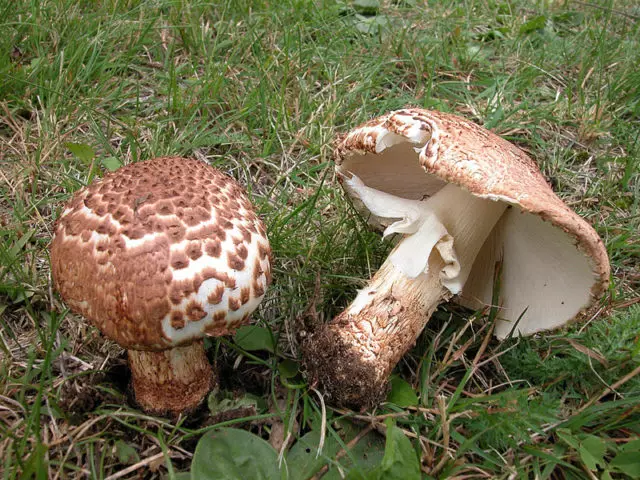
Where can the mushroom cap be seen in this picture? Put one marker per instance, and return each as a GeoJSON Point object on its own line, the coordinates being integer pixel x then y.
{"type": "Point", "coordinates": [160, 253]}
{"type": "Point", "coordinates": [554, 264]}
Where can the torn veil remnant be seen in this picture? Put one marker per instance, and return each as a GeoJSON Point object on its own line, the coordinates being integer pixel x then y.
{"type": "Point", "coordinates": [157, 255]}
{"type": "Point", "coordinates": [462, 199]}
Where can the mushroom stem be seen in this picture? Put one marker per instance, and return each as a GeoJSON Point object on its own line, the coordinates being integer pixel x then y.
{"type": "Point", "coordinates": [353, 356]}
{"type": "Point", "coordinates": [171, 381]}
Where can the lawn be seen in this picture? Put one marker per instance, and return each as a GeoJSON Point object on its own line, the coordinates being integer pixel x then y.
{"type": "Point", "coordinates": [261, 90]}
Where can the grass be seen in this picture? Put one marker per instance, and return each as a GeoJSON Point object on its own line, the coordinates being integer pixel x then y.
{"type": "Point", "coordinates": [261, 90]}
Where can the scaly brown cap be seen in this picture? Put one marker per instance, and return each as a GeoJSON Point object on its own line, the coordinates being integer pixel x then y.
{"type": "Point", "coordinates": [553, 260]}
{"type": "Point", "coordinates": [161, 252]}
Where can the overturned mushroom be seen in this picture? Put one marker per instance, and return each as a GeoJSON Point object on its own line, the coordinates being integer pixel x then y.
{"type": "Point", "coordinates": [463, 200]}
{"type": "Point", "coordinates": [158, 255]}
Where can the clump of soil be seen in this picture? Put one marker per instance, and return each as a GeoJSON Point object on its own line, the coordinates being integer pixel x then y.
{"type": "Point", "coordinates": [340, 373]}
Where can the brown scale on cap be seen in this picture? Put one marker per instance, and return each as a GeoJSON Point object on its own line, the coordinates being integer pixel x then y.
{"type": "Point", "coordinates": [246, 233]}
{"type": "Point", "coordinates": [234, 304]}
{"type": "Point", "coordinates": [213, 248]}
{"type": "Point", "coordinates": [258, 289]}
{"type": "Point", "coordinates": [245, 295]}
{"type": "Point", "coordinates": [235, 261]}
{"type": "Point", "coordinates": [215, 297]}
{"type": "Point", "coordinates": [202, 233]}
{"type": "Point", "coordinates": [179, 260]}
{"type": "Point", "coordinates": [264, 250]}
{"type": "Point", "coordinates": [177, 320]}
{"type": "Point", "coordinates": [242, 252]}
{"type": "Point", "coordinates": [195, 311]}
{"type": "Point", "coordinates": [194, 250]}
{"type": "Point", "coordinates": [237, 240]}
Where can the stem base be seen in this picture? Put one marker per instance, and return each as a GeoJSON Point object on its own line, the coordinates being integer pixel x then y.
{"type": "Point", "coordinates": [172, 381]}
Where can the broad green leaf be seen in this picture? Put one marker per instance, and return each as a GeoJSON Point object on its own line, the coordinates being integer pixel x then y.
{"type": "Point", "coordinates": [536, 23]}
{"type": "Point", "coordinates": [627, 463]}
{"type": "Point", "coordinates": [590, 461]}
{"type": "Point", "coordinates": [569, 18]}
{"type": "Point", "coordinates": [111, 163]}
{"type": "Point", "coordinates": [303, 459]}
{"type": "Point", "coordinates": [631, 447]}
{"type": "Point", "coordinates": [356, 463]}
{"type": "Point", "coordinates": [253, 337]}
{"type": "Point", "coordinates": [400, 460]}
{"type": "Point", "coordinates": [288, 368]}
{"type": "Point", "coordinates": [222, 401]}
{"type": "Point", "coordinates": [371, 25]}
{"type": "Point", "coordinates": [234, 454]}
{"type": "Point", "coordinates": [82, 151]}
{"type": "Point", "coordinates": [366, 7]}
{"type": "Point", "coordinates": [402, 394]}
{"type": "Point", "coordinates": [126, 454]}
{"type": "Point", "coordinates": [592, 451]}
{"type": "Point", "coordinates": [362, 458]}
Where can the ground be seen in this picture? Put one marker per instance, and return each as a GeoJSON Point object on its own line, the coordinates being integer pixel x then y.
{"type": "Point", "coordinates": [262, 90]}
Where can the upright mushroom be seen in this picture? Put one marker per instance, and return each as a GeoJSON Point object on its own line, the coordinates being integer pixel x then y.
{"type": "Point", "coordinates": [463, 199]}
{"type": "Point", "coordinates": [157, 255]}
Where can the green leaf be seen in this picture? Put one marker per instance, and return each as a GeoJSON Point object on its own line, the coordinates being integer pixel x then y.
{"type": "Point", "coordinates": [632, 446]}
{"type": "Point", "coordinates": [402, 394]}
{"type": "Point", "coordinates": [360, 459]}
{"type": "Point", "coordinates": [592, 451]}
{"type": "Point", "coordinates": [234, 454]}
{"type": "Point", "coordinates": [82, 151]}
{"type": "Point", "coordinates": [288, 368]}
{"type": "Point", "coordinates": [366, 7]}
{"type": "Point", "coordinates": [371, 25]}
{"type": "Point", "coordinates": [302, 458]}
{"type": "Point", "coordinates": [536, 23]}
{"type": "Point", "coordinates": [111, 163]}
{"type": "Point", "coordinates": [252, 338]}
{"type": "Point", "coordinates": [591, 461]}
{"type": "Point", "coordinates": [627, 463]}
{"type": "Point", "coordinates": [565, 435]}
{"type": "Point", "coordinates": [126, 454]}
{"type": "Point", "coordinates": [19, 245]}
{"type": "Point", "coordinates": [222, 401]}
{"type": "Point", "coordinates": [400, 460]}
{"type": "Point", "coordinates": [35, 465]}
{"type": "Point", "coordinates": [569, 18]}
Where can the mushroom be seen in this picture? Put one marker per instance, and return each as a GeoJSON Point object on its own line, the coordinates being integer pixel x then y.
{"type": "Point", "coordinates": [464, 201]}
{"type": "Point", "coordinates": [158, 255]}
